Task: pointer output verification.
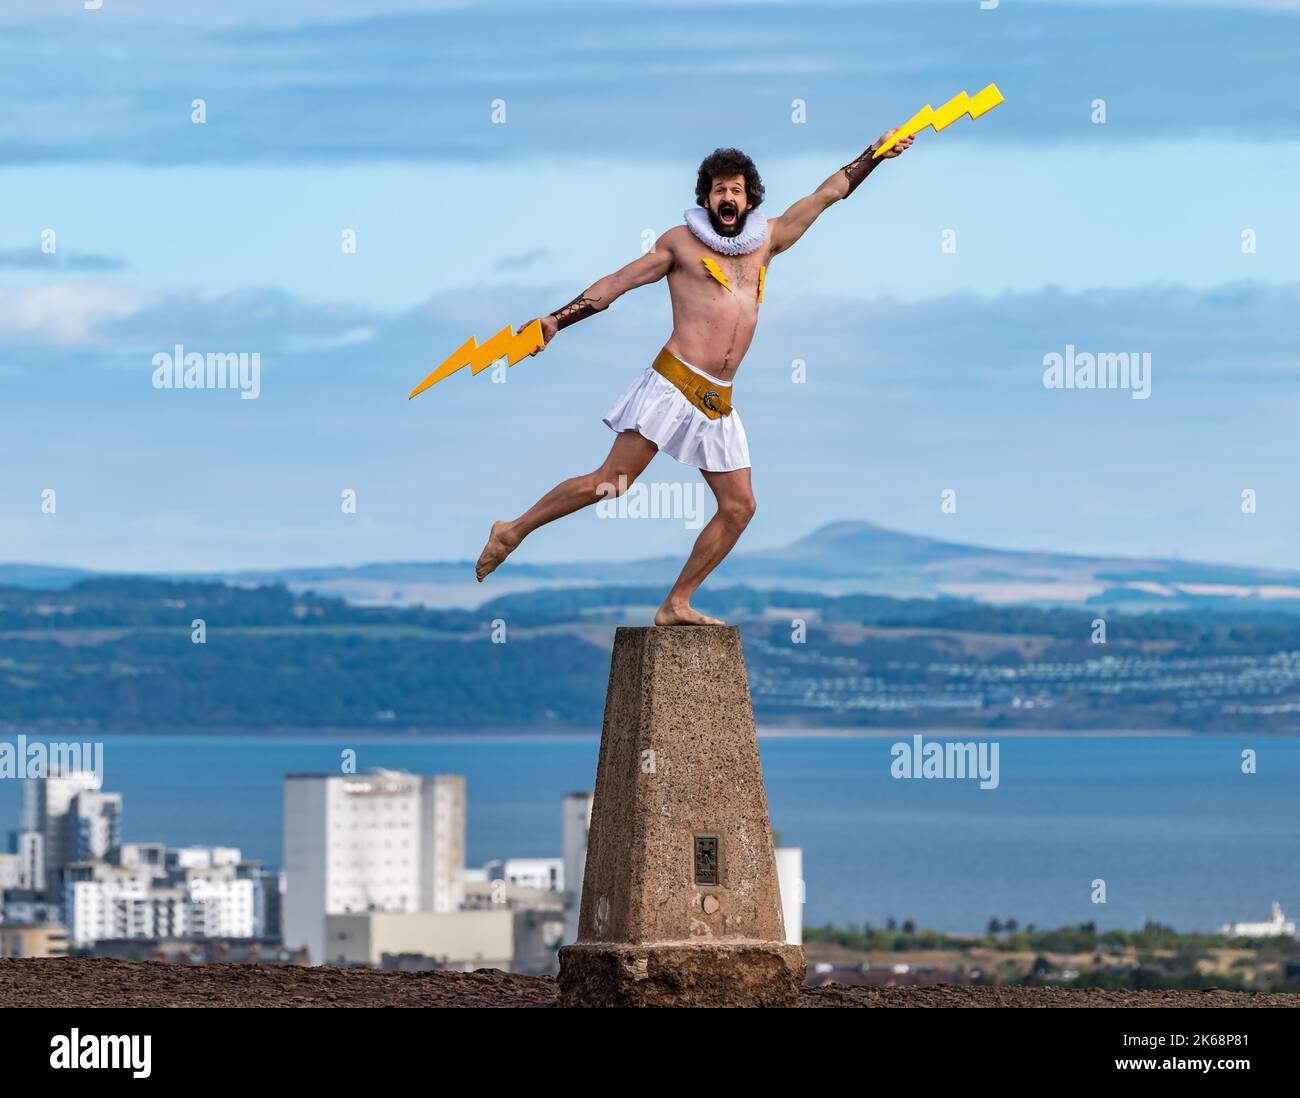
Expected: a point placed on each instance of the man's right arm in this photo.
(651, 267)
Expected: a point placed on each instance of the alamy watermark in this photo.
(215, 370)
(24, 760)
(1104, 370)
(102, 1051)
(655, 500)
(946, 759)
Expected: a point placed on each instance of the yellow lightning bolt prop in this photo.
(478, 359)
(985, 101)
(711, 265)
(911, 127)
(946, 115)
(958, 106)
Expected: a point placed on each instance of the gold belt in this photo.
(711, 399)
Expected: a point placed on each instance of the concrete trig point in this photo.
(680, 903)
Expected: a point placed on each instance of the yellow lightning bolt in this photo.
(910, 128)
(959, 105)
(478, 359)
(985, 101)
(946, 115)
(711, 265)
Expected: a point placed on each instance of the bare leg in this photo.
(627, 460)
(735, 509)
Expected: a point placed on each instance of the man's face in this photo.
(728, 205)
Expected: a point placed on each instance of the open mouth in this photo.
(727, 213)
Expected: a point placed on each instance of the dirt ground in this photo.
(102, 982)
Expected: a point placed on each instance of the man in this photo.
(681, 404)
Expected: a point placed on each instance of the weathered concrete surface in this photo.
(679, 761)
(681, 974)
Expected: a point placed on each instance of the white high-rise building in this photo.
(95, 825)
(575, 823)
(74, 820)
(108, 901)
(386, 841)
(46, 799)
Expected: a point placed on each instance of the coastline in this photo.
(544, 733)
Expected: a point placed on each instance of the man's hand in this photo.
(549, 328)
(905, 143)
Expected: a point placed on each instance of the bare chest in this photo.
(709, 273)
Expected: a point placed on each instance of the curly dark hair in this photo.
(722, 163)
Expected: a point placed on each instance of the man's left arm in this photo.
(792, 224)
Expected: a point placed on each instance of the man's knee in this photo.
(609, 482)
(737, 512)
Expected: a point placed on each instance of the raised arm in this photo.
(651, 267)
(792, 224)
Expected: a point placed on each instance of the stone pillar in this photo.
(680, 902)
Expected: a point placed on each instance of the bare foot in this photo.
(683, 614)
(500, 544)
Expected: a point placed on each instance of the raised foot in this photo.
(499, 546)
(684, 615)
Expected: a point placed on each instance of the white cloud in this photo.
(65, 315)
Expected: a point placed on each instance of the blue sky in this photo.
(924, 368)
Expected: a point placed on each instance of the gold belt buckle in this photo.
(707, 399)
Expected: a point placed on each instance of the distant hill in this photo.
(847, 557)
(863, 556)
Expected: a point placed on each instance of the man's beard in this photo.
(720, 227)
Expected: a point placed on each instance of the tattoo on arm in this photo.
(578, 309)
(862, 167)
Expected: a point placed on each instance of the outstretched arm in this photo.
(651, 267)
(792, 224)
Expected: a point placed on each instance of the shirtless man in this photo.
(681, 404)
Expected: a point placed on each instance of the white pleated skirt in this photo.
(655, 408)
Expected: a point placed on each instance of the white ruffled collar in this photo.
(744, 242)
